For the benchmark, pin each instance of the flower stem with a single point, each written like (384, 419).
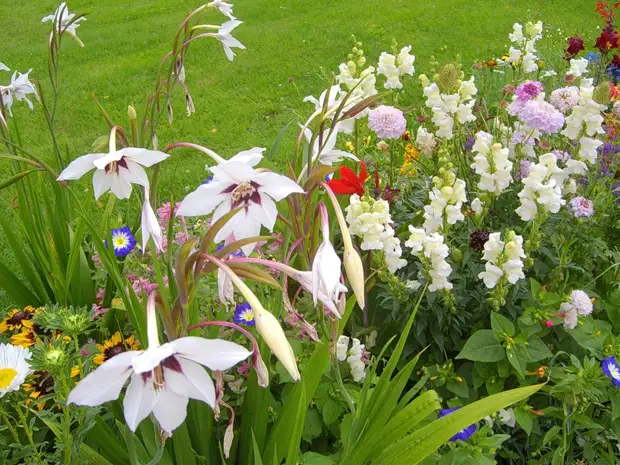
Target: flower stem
(28, 432)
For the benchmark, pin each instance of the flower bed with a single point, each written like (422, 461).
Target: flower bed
(431, 277)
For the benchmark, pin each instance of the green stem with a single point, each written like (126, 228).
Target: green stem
(28, 432)
(10, 427)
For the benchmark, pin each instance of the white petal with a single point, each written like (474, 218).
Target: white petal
(193, 382)
(242, 226)
(149, 224)
(79, 167)
(144, 157)
(276, 185)
(101, 183)
(105, 383)
(249, 157)
(334, 156)
(233, 172)
(170, 410)
(139, 400)
(266, 213)
(216, 354)
(135, 174)
(108, 158)
(119, 185)
(151, 357)
(203, 200)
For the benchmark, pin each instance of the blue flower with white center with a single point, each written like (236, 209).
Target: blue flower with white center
(611, 369)
(244, 315)
(464, 434)
(123, 241)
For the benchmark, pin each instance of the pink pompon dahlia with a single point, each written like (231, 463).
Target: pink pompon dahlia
(528, 90)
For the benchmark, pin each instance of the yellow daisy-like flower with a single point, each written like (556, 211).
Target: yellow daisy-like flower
(114, 346)
(41, 384)
(25, 338)
(411, 154)
(15, 319)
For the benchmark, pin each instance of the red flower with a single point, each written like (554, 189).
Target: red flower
(575, 45)
(349, 183)
(608, 40)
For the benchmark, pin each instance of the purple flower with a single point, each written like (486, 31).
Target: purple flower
(562, 156)
(387, 122)
(541, 115)
(615, 189)
(244, 315)
(524, 170)
(611, 370)
(528, 90)
(469, 143)
(464, 434)
(580, 206)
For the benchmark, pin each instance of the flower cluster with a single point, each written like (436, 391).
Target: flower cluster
(524, 53)
(492, 164)
(503, 260)
(541, 190)
(578, 304)
(370, 219)
(394, 67)
(454, 101)
(432, 252)
(446, 200)
(353, 355)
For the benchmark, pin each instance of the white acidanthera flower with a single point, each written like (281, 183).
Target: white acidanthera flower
(149, 224)
(162, 378)
(13, 367)
(236, 184)
(116, 170)
(63, 18)
(228, 41)
(326, 266)
(225, 8)
(19, 89)
(4, 67)
(323, 147)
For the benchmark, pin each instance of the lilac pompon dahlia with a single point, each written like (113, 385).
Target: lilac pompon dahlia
(528, 90)
(565, 98)
(387, 122)
(464, 434)
(541, 115)
(580, 206)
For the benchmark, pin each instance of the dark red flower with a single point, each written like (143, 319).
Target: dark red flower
(349, 183)
(616, 61)
(575, 45)
(608, 40)
(389, 194)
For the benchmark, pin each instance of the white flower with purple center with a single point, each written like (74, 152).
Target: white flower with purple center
(611, 370)
(464, 434)
(237, 184)
(162, 378)
(244, 315)
(387, 122)
(123, 241)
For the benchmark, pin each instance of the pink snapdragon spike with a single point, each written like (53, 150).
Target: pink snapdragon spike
(162, 378)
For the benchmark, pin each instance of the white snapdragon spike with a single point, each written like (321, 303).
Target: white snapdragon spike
(370, 220)
(342, 347)
(585, 122)
(356, 364)
(19, 89)
(228, 41)
(432, 252)
(492, 164)
(425, 141)
(149, 224)
(63, 18)
(162, 378)
(324, 150)
(503, 259)
(445, 204)
(541, 190)
(225, 8)
(395, 67)
(525, 53)
(237, 184)
(326, 266)
(14, 367)
(362, 86)
(448, 108)
(116, 170)
(578, 67)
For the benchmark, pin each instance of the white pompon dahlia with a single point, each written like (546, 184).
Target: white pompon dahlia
(237, 184)
(162, 378)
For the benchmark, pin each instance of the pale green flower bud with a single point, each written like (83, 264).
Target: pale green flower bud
(354, 50)
(424, 80)
(355, 273)
(270, 330)
(361, 61)
(131, 112)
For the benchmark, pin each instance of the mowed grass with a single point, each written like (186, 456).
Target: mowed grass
(291, 46)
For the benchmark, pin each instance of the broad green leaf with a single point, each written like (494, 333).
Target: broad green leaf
(517, 356)
(483, 346)
(537, 350)
(312, 458)
(183, 452)
(502, 327)
(414, 448)
(313, 426)
(295, 441)
(524, 419)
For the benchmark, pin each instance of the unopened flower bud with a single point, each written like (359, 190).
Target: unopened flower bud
(229, 435)
(262, 373)
(424, 80)
(361, 61)
(354, 50)
(131, 112)
(355, 272)
(273, 334)
(100, 144)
